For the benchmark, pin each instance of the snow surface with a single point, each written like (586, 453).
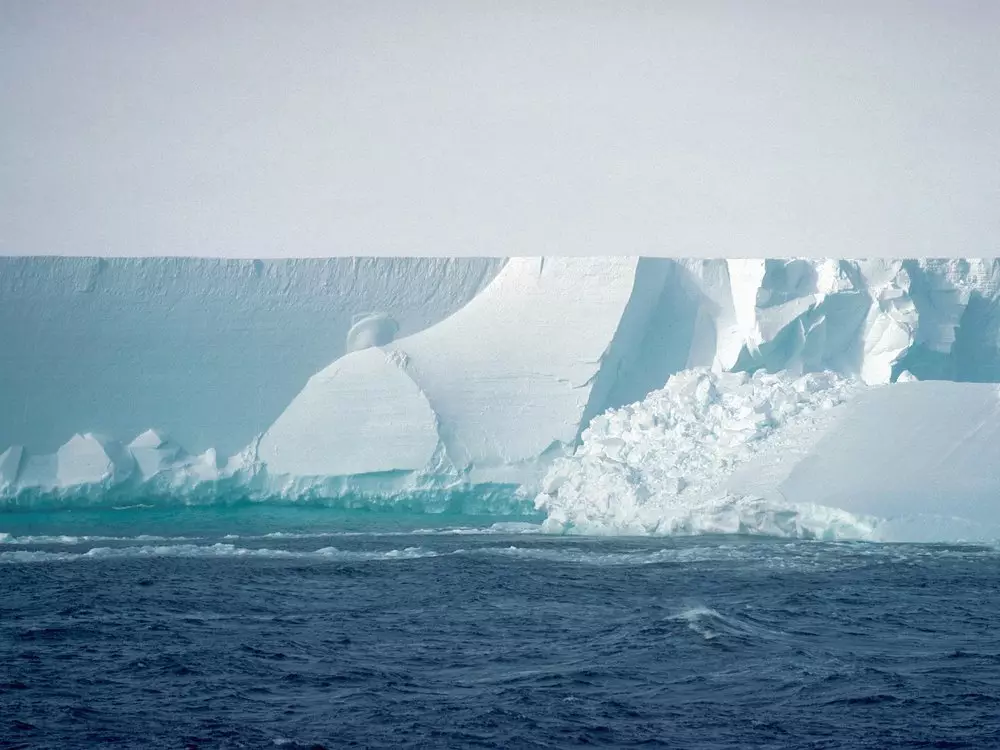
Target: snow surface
(777, 415)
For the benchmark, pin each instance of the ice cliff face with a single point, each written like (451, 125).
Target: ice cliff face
(207, 350)
(496, 385)
(455, 372)
(521, 370)
(870, 318)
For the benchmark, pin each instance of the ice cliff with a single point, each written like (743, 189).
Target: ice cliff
(496, 385)
(404, 374)
(209, 351)
(518, 372)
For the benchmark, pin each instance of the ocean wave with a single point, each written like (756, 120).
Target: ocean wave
(500, 527)
(218, 550)
(747, 516)
(71, 539)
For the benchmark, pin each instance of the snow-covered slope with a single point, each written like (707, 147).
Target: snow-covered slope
(446, 373)
(506, 379)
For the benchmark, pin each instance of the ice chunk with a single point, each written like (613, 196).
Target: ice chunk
(205, 467)
(38, 472)
(83, 460)
(87, 459)
(154, 453)
(929, 447)
(375, 329)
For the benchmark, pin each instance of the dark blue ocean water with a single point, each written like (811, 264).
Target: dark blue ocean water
(288, 627)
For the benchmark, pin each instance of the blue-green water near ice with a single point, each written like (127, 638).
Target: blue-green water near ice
(262, 625)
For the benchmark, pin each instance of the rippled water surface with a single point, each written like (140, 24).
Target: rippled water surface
(246, 627)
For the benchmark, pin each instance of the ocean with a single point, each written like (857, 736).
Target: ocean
(304, 626)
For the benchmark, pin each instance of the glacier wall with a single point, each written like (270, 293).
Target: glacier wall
(310, 378)
(208, 350)
(550, 343)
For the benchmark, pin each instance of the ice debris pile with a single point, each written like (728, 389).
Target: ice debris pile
(659, 466)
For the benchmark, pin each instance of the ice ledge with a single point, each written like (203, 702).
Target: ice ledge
(817, 455)
(89, 471)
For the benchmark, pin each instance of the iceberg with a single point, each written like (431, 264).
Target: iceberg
(627, 395)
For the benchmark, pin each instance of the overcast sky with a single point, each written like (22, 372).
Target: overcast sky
(141, 127)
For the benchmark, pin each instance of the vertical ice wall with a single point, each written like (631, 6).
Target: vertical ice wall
(208, 350)
(874, 318)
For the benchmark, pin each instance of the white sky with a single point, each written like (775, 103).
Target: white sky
(777, 127)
